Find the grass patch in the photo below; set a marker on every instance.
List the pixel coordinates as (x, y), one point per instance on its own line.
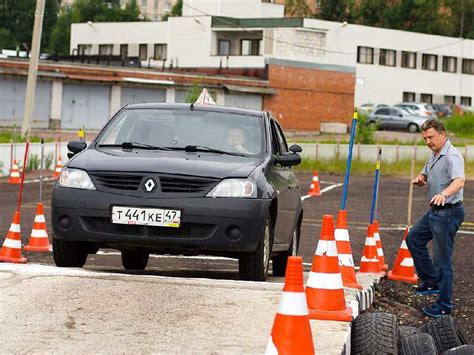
(461, 126)
(8, 137)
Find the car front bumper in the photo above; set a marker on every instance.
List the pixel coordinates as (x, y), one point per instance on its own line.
(214, 226)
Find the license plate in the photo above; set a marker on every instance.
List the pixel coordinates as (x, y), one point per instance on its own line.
(146, 216)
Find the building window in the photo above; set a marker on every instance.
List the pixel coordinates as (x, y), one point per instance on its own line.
(429, 62)
(156, 5)
(123, 50)
(409, 60)
(466, 100)
(250, 47)
(427, 98)
(468, 66)
(387, 57)
(409, 97)
(224, 47)
(106, 49)
(365, 55)
(143, 3)
(160, 52)
(449, 100)
(143, 51)
(450, 64)
(84, 49)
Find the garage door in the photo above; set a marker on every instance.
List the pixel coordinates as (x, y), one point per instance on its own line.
(85, 105)
(138, 96)
(12, 100)
(244, 101)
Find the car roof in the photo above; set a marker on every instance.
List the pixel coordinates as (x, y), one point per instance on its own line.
(210, 108)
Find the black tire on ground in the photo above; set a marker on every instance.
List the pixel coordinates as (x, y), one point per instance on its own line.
(413, 128)
(467, 349)
(375, 333)
(280, 261)
(253, 266)
(69, 254)
(444, 332)
(134, 259)
(417, 344)
(406, 330)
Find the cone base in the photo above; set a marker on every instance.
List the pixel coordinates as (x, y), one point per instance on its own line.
(353, 285)
(314, 194)
(410, 279)
(8, 259)
(44, 248)
(344, 315)
(14, 181)
(376, 274)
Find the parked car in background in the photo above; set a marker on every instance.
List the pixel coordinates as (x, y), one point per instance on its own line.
(420, 109)
(443, 110)
(365, 109)
(181, 179)
(395, 118)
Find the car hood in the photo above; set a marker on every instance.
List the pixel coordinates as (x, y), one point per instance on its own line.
(168, 162)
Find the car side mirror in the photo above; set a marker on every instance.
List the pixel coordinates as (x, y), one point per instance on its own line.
(75, 147)
(400, 115)
(289, 159)
(295, 148)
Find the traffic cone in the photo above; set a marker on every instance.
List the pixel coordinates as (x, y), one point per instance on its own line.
(378, 244)
(11, 249)
(324, 290)
(344, 251)
(59, 166)
(314, 189)
(39, 237)
(369, 263)
(403, 268)
(14, 174)
(291, 332)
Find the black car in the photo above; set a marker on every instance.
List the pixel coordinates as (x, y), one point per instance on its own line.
(181, 179)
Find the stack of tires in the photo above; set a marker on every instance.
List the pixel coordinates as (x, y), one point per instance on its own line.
(379, 333)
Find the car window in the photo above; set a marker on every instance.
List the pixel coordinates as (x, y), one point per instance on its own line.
(227, 131)
(382, 111)
(393, 112)
(281, 139)
(275, 143)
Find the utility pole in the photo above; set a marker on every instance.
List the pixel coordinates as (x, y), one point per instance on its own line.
(33, 69)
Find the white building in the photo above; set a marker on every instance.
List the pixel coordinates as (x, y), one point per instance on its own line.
(390, 65)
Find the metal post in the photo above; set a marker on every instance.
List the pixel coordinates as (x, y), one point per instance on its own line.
(41, 172)
(355, 118)
(397, 153)
(33, 69)
(317, 151)
(379, 159)
(374, 195)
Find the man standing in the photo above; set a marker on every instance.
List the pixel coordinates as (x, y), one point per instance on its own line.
(444, 176)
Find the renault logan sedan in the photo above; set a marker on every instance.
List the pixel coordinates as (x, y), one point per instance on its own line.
(181, 179)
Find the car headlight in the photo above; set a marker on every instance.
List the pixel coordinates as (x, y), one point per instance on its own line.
(75, 178)
(234, 188)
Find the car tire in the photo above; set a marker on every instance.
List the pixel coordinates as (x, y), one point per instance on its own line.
(419, 344)
(375, 333)
(412, 128)
(134, 259)
(445, 333)
(253, 266)
(407, 331)
(69, 254)
(467, 349)
(280, 261)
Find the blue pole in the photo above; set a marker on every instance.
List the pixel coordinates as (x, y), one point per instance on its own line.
(349, 160)
(374, 195)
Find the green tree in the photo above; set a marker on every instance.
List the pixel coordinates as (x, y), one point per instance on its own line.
(297, 8)
(194, 92)
(371, 13)
(6, 39)
(176, 10)
(337, 10)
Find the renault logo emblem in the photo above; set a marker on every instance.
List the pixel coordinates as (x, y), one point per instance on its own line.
(149, 185)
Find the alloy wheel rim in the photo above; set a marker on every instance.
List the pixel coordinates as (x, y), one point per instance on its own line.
(294, 244)
(266, 248)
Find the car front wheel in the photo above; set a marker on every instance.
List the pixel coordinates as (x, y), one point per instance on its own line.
(135, 259)
(413, 128)
(69, 254)
(253, 266)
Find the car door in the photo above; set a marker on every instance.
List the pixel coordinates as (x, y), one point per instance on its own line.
(397, 118)
(383, 118)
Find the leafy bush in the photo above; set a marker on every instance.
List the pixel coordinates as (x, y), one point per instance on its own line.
(33, 163)
(365, 132)
(48, 161)
(461, 126)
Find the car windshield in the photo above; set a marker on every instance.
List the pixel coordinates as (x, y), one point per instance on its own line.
(222, 132)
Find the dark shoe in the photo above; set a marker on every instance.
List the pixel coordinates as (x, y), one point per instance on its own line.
(425, 289)
(436, 311)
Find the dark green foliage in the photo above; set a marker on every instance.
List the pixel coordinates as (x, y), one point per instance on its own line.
(297, 8)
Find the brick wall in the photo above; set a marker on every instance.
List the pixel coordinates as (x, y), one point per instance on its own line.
(307, 96)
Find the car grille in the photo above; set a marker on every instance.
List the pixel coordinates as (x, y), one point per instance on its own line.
(168, 183)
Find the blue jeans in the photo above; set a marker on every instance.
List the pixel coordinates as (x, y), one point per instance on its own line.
(441, 227)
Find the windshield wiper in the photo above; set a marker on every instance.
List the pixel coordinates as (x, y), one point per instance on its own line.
(201, 148)
(134, 145)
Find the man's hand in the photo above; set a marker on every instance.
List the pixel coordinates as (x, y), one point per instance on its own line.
(438, 200)
(420, 180)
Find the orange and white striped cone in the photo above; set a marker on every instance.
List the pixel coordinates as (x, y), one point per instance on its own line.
(291, 332)
(324, 289)
(403, 268)
(369, 263)
(14, 174)
(314, 188)
(11, 249)
(378, 244)
(59, 167)
(344, 251)
(39, 237)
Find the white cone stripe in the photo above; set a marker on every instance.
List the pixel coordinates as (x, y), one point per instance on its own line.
(346, 260)
(15, 174)
(311, 186)
(11, 243)
(407, 262)
(324, 281)
(327, 247)
(370, 242)
(341, 235)
(380, 251)
(15, 167)
(404, 245)
(377, 236)
(15, 228)
(315, 178)
(364, 259)
(293, 304)
(40, 218)
(39, 233)
(271, 348)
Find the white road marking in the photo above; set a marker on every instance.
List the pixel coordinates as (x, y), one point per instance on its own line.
(326, 189)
